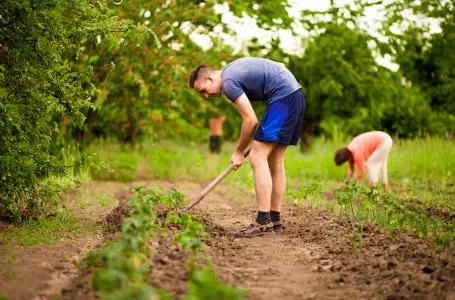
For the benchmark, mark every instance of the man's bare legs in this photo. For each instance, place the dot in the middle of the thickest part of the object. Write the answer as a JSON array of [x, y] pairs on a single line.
[[276, 166], [262, 177]]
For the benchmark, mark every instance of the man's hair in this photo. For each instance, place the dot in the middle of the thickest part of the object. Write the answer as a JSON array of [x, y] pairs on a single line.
[[342, 155], [198, 73]]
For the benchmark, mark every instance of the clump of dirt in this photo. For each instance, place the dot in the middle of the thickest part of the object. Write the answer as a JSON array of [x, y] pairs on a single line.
[[214, 230], [437, 212], [5, 225], [80, 287], [115, 219], [168, 267]]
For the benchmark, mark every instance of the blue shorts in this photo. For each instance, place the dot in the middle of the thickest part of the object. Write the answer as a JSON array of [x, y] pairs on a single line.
[[283, 120]]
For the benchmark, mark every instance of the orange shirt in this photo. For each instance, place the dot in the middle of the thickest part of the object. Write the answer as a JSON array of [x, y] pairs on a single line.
[[216, 126], [362, 146]]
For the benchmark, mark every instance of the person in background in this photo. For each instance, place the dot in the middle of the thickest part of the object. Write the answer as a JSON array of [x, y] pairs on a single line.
[[216, 132], [370, 149]]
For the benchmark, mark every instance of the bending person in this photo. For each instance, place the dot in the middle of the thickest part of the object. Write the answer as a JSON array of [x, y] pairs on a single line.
[[370, 149], [257, 79]]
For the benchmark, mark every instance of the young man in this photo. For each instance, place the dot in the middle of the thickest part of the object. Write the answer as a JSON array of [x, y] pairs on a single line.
[[256, 79], [216, 131], [370, 148]]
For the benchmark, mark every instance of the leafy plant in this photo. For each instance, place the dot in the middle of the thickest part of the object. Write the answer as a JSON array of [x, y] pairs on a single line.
[[345, 197], [191, 234], [309, 192], [204, 285], [41, 89], [121, 268]]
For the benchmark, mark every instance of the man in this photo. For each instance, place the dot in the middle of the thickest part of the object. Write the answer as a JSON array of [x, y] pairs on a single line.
[[256, 79], [370, 148], [216, 131]]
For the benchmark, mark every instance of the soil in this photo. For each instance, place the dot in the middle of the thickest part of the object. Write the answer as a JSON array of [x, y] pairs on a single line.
[[40, 271], [314, 258]]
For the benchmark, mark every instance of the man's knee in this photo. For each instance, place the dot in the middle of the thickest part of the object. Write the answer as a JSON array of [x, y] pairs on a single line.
[[256, 159]]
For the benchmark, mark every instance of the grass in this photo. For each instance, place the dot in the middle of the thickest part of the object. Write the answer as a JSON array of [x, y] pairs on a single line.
[[428, 158], [121, 162], [102, 200], [45, 230], [420, 171]]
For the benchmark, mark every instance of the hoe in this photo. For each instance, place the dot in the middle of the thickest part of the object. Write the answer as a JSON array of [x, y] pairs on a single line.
[[214, 183]]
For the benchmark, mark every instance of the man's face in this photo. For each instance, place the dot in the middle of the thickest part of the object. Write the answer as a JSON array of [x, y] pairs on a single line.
[[208, 87]]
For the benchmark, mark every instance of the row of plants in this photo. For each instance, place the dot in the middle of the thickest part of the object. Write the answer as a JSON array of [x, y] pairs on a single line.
[[367, 204], [121, 268]]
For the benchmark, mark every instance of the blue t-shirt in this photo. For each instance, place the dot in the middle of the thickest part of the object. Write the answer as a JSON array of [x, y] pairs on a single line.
[[260, 79]]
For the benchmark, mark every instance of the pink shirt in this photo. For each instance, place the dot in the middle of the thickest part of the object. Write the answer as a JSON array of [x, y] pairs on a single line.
[[362, 146]]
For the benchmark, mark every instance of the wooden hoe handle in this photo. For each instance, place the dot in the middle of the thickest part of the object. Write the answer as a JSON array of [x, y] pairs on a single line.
[[214, 183]]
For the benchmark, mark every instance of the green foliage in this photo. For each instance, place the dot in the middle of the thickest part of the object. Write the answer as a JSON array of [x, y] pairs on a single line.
[[136, 291], [192, 233], [387, 210], [147, 93], [268, 14], [425, 59], [311, 193], [344, 84], [41, 89], [429, 158], [307, 190], [120, 165], [120, 269], [47, 230], [203, 285]]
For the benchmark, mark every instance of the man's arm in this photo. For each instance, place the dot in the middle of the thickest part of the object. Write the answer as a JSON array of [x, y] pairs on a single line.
[[249, 122]]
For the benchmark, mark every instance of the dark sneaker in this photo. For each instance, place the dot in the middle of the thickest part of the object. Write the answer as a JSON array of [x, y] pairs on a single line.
[[255, 229], [277, 226]]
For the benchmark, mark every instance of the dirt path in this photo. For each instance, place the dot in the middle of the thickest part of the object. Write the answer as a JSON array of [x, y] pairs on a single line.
[[40, 271], [313, 259]]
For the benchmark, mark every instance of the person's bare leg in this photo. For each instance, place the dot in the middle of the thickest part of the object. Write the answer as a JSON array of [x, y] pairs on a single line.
[[276, 165], [262, 177]]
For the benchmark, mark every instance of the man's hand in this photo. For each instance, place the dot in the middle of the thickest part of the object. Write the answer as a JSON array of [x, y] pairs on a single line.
[[237, 159]]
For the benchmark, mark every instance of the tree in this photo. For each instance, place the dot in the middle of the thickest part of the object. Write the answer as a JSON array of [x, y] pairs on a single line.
[[38, 42], [425, 59], [147, 93]]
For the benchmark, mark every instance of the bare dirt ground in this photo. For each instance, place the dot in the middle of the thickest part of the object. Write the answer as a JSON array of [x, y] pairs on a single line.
[[40, 271], [313, 259]]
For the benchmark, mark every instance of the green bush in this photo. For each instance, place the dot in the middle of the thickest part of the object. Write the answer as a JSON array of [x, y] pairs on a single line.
[[120, 166], [41, 90], [204, 285]]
